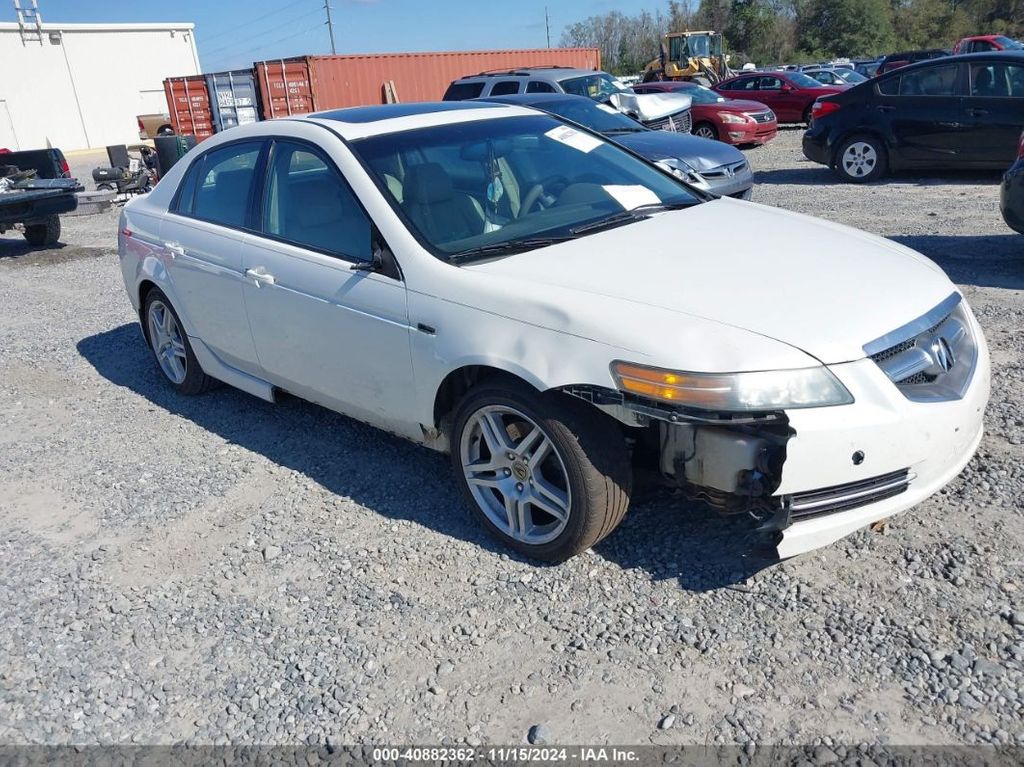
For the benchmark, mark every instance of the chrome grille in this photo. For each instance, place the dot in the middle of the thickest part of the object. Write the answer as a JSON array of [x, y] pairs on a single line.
[[761, 117], [852, 495], [725, 171], [931, 358], [680, 121]]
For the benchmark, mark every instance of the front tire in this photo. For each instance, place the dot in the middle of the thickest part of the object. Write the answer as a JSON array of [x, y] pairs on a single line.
[[44, 234], [705, 130], [861, 159], [547, 475], [171, 348]]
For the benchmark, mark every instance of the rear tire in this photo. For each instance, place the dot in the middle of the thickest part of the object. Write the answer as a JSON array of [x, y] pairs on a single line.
[[44, 234], [705, 130], [860, 159], [171, 348], [547, 475]]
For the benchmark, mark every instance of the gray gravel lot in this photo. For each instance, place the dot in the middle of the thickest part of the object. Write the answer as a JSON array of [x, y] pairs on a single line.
[[219, 569]]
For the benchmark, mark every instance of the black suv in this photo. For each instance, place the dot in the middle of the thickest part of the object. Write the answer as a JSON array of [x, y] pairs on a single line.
[[956, 112]]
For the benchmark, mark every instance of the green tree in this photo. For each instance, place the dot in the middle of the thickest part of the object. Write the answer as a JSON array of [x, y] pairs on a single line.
[[845, 27], [928, 23]]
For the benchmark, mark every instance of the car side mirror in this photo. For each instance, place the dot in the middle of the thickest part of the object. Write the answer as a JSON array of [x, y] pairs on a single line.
[[382, 260], [375, 264]]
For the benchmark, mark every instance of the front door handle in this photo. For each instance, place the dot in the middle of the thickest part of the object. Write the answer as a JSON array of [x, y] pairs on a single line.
[[949, 125], [175, 249], [885, 108], [975, 112], [260, 275]]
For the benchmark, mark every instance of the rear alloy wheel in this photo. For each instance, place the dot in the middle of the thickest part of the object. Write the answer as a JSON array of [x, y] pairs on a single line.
[[860, 159], [705, 130], [547, 475], [171, 347]]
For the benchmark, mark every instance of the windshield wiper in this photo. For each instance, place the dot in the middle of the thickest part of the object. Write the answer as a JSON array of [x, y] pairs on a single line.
[[616, 131], [638, 213], [506, 248]]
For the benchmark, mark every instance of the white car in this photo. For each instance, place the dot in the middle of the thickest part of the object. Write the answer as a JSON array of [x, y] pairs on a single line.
[[551, 309]]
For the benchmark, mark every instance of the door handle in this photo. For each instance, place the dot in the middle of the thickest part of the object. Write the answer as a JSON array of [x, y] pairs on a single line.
[[174, 248], [949, 125], [885, 108], [260, 275], [975, 112]]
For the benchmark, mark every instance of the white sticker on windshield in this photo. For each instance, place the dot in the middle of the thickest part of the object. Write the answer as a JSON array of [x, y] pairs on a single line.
[[608, 109], [631, 196], [584, 142]]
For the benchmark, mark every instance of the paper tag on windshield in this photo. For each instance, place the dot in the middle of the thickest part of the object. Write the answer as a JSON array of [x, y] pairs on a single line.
[[608, 109], [584, 142], [631, 196]]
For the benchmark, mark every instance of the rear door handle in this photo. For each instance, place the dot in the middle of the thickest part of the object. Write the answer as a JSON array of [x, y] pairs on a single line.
[[885, 108], [949, 125], [974, 112], [260, 275], [175, 249]]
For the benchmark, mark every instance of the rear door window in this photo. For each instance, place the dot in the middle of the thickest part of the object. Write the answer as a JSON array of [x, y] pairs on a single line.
[[224, 184], [928, 81], [308, 203], [463, 91], [505, 87]]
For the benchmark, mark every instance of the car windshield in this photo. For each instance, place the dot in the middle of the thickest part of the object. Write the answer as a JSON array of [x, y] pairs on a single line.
[[498, 185], [597, 117], [599, 85], [701, 95], [1008, 44], [801, 80], [851, 76]]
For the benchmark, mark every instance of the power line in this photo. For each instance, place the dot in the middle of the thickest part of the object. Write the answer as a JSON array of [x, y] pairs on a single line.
[[258, 35], [285, 38], [253, 21]]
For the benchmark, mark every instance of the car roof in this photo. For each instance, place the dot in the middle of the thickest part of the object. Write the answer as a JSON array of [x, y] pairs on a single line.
[[359, 122], [1017, 56], [534, 98], [553, 73]]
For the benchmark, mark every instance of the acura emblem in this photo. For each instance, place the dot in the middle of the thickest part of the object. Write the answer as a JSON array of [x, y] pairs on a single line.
[[942, 356]]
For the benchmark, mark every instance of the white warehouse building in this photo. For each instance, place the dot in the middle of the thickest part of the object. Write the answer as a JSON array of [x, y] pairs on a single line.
[[79, 86]]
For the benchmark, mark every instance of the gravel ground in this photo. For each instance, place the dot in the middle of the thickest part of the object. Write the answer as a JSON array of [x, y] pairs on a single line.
[[218, 569]]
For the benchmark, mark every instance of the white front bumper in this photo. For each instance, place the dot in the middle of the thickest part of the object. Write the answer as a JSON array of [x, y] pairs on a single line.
[[933, 440]]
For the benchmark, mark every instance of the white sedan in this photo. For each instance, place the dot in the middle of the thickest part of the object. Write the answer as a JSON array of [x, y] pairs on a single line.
[[554, 311]]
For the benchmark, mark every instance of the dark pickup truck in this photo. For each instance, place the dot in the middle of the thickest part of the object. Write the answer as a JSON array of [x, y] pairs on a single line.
[[35, 189]]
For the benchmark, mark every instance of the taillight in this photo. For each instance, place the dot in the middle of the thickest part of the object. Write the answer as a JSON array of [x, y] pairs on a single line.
[[822, 108], [65, 168]]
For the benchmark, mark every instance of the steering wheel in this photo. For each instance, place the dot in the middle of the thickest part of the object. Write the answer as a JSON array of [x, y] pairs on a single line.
[[533, 195]]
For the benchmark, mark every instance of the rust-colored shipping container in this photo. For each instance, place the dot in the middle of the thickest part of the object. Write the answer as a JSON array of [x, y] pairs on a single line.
[[311, 83], [188, 103]]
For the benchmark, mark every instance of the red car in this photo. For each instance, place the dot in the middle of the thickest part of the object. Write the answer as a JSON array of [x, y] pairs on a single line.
[[789, 94], [985, 43], [733, 121]]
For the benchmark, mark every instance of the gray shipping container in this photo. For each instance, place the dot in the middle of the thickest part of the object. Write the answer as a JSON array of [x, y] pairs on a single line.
[[234, 99]]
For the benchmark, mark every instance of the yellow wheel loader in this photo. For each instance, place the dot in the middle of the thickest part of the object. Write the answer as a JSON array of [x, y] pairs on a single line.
[[693, 56]]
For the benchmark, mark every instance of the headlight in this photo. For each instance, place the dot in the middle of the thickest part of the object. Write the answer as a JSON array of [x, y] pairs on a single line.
[[763, 390], [730, 117], [683, 170]]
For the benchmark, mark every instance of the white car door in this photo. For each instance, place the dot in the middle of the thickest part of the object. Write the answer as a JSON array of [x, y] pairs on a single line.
[[202, 236], [324, 331]]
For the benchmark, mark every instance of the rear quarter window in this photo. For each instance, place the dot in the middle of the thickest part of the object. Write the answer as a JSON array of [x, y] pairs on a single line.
[[463, 91], [505, 88]]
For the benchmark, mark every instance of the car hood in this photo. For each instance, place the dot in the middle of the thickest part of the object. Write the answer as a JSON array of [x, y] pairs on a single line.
[[738, 105], [819, 287], [701, 153], [650, 106]]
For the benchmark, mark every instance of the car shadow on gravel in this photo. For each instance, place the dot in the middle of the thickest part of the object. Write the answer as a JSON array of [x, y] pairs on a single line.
[[812, 174], [19, 252], [398, 480], [1001, 266]]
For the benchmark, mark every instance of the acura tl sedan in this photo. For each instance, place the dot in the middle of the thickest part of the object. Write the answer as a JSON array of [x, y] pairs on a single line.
[[489, 281]]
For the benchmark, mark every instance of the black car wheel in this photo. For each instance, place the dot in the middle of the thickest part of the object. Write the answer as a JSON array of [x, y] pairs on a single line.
[[860, 159], [705, 130]]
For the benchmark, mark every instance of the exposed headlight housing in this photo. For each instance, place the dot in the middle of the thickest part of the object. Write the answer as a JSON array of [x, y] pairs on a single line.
[[683, 171], [744, 392], [733, 118]]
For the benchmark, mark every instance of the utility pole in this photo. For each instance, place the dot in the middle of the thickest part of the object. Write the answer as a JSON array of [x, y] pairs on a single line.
[[330, 25], [547, 25]]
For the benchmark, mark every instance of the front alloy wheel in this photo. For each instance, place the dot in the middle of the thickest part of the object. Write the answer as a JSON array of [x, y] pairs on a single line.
[[546, 473], [515, 475]]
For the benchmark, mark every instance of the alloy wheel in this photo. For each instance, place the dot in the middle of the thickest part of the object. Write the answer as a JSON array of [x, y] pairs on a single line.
[[165, 338], [859, 159], [515, 474], [705, 132]]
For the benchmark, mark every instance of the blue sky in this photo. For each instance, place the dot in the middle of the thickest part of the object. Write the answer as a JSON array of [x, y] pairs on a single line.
[[233, 34]]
